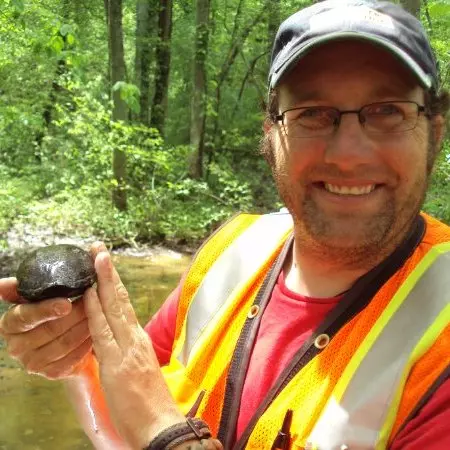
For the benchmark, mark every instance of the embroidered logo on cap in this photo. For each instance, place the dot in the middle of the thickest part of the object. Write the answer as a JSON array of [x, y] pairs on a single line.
[[349, 15]]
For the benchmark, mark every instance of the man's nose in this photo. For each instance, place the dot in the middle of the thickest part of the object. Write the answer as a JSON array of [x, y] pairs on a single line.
[[349, 146]]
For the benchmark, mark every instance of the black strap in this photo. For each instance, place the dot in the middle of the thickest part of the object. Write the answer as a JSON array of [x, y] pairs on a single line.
[[241, 356], [175, 435]]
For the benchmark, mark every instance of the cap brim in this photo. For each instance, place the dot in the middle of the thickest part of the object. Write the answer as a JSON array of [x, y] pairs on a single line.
[[287, 65]]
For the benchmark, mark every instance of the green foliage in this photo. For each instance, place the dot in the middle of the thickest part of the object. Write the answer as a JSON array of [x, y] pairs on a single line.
[[18, 6], [70, 189], [129, 93], [437, 24], [58, 139], [15, 195], [438, 198]]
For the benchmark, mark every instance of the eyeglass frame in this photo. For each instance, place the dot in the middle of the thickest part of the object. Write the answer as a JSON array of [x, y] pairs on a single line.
[[337, 122]]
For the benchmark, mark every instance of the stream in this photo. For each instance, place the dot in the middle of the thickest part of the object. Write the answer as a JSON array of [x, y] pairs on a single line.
[[34, 412]]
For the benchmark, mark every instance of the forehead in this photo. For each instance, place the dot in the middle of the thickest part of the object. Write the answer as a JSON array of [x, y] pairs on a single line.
[[349, 68]]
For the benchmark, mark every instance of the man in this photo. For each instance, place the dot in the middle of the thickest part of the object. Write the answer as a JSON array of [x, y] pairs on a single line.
[[324, 328]]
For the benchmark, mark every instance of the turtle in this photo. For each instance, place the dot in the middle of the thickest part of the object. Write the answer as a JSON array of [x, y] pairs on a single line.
[[55, 271]]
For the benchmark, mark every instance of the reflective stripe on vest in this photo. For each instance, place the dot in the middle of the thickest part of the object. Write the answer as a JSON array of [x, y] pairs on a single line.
[[243, 258], [362, 410]]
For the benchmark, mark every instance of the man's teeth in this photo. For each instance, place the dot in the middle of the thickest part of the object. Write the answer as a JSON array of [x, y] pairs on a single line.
[[349, 190]]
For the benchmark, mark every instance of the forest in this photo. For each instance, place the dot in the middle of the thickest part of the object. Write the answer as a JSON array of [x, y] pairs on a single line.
[[140, 120]]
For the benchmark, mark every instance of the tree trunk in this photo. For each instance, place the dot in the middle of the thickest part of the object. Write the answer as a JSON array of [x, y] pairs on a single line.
[[47, 114], [412, 6], [273, 22], [108, 72], [236, 43], [427, 15], [198, 102], [159, 105], [120, 108], [144, 20], [56, 88]]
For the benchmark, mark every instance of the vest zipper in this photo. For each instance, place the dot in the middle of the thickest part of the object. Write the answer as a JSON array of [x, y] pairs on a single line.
[[241, 356]]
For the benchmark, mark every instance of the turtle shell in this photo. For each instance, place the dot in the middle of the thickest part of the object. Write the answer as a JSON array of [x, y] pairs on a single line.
[[55, 271]]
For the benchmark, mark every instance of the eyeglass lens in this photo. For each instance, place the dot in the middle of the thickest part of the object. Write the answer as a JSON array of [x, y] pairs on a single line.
[[376, 118]]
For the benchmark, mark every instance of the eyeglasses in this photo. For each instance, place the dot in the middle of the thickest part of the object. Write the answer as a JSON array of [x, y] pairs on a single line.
[[376, 118]]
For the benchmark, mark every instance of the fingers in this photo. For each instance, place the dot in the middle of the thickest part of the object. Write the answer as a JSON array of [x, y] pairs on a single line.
[[36, 360], [22, 343], [112, 320], [26, 317], [67, 366], [8, 290], [121, 292], [111, 306], [50, 342], [127, 308], [99, 247], [96, 248], [103, 341]]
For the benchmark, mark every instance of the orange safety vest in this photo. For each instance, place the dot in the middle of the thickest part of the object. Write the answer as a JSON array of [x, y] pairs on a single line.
[[364, 373]]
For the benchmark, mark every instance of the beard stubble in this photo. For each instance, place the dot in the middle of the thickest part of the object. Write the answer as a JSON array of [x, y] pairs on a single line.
[[378, 235]]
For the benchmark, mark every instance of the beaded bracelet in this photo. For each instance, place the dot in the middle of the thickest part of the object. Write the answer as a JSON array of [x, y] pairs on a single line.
[[175, 435]]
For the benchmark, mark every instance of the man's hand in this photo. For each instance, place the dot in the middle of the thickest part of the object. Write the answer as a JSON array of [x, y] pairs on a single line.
[[50, 338], [138, 399]]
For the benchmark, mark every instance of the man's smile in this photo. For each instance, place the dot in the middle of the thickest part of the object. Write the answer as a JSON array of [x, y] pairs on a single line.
[[348, 194], [349, 190]]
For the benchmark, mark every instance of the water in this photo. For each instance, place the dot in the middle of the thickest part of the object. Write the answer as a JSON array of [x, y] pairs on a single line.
[[34, 412]]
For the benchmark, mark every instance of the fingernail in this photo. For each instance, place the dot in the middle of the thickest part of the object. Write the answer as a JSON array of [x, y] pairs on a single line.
[[101, 246], [110, 264], [106, 258], [61, 309]]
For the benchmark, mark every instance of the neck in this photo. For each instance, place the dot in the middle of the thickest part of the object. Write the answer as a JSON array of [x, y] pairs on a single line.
[[309, 276], [323, 272]]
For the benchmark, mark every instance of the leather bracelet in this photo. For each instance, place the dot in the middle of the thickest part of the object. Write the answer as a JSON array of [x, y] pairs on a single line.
[[169, 438]]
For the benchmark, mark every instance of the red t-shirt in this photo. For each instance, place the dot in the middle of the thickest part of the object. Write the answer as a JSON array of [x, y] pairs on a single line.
[[288, 321]]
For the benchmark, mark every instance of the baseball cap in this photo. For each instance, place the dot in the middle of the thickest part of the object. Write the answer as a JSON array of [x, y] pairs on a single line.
[[383, 23]]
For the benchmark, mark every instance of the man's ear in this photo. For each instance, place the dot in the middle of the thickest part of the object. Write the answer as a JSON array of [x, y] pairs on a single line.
[[267, 125], [438, 125]]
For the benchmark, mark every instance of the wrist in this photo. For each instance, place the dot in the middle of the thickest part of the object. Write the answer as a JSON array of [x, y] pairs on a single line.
[[87, 367], [189, 433], [162, 422]]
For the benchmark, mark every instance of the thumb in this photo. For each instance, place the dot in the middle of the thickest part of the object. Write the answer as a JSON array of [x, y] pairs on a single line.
[[8, 290], [96, 248]]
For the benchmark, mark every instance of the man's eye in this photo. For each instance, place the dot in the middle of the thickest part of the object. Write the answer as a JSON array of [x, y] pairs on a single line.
[[386, 109], [312, 113]]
